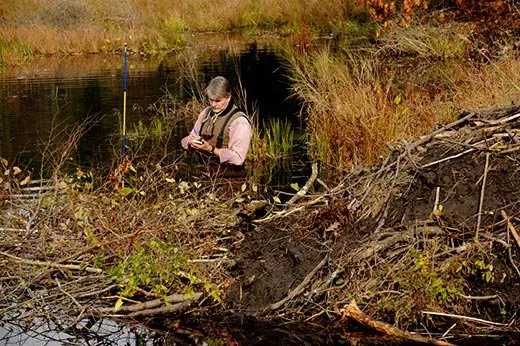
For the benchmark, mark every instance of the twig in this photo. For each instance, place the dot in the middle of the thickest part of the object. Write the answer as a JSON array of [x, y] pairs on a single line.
[[319, 181], [284, 213], [52, 264], [467, 318], [510, 227], [300, 287], [97, 292], [504, 120], [482, 190], [436, 203], [435, 133], [68, 295], [448, 158], [478, 297], [382, 218], [512, 231], [307, 186]]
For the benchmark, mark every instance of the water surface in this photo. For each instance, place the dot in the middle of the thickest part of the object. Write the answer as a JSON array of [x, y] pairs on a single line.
[[45, 98]]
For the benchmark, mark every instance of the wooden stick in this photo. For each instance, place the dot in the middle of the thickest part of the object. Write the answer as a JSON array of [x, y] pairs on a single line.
[[352, 311], [448, 158], [52, 264], [467, 318], [436, 203], [510, 227], [478, 297], [482, 189], [168, 309], [300, 287], [307, 186]]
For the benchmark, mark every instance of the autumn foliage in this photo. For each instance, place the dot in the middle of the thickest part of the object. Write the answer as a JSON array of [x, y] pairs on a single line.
[[403, 12]]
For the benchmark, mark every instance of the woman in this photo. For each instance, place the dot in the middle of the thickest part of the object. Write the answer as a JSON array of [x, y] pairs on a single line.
[[221, 129]]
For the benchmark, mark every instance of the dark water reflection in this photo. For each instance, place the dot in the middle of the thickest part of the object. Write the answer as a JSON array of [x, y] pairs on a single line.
[[49, 95], [202, 332]]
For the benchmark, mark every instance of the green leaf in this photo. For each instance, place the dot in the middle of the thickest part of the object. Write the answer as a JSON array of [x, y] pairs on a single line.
[[276, 199], [125, 191], [244, 187], [398, 99], [295, 186]]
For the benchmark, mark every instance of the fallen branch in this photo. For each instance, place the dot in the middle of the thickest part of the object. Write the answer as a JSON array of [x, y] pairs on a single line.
[[284, 213], [352, 311], [167, 309], [174, 298], [511, 230], [510, 227], [448, 158]]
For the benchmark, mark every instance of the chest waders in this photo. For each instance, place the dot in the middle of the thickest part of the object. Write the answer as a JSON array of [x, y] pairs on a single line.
[[210, 126]]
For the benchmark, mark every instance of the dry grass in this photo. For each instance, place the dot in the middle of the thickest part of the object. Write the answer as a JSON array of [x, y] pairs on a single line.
[[358, 103], [353, 109]]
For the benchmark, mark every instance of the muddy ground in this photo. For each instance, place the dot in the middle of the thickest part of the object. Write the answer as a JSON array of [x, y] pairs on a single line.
[[407, 190]]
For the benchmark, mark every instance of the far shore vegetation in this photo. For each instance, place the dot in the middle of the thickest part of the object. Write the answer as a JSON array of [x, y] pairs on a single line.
[[32, 27]]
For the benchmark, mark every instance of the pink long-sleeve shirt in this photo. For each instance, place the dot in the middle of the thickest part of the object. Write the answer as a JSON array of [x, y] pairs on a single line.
[[239, 139]]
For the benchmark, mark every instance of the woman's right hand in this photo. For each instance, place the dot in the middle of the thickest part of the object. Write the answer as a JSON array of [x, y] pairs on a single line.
[[192, 137]]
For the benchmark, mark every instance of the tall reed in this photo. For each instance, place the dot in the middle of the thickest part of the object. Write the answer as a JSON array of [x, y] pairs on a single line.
[[273, 142], [351, 112]]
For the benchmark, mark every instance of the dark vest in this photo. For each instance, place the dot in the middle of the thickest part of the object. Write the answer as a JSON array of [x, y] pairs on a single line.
[[215, 128]]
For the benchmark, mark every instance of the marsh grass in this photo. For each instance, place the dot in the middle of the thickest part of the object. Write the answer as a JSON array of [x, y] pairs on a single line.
[[273, 142], [360, 104], [351, 111]]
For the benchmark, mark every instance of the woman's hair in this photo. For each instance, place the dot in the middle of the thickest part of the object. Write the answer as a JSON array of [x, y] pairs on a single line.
[[218, 88]]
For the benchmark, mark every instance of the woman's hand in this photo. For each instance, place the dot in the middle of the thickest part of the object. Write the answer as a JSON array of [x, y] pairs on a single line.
[[204, 146], [193, 137]]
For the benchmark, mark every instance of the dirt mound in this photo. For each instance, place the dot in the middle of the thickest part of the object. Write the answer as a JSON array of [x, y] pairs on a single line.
[[272, 262], [430, 229]]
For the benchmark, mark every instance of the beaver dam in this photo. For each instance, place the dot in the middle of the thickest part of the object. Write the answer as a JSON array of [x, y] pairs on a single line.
[[424, 246]]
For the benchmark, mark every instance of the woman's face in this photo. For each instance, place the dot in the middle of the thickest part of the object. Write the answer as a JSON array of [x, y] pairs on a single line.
[[218, 105]]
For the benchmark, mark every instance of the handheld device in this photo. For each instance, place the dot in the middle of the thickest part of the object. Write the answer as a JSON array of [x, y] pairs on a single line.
[[196, 141]]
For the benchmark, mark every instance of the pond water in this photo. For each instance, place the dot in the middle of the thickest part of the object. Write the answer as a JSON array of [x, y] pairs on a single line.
[[44, 98], [202, 332]]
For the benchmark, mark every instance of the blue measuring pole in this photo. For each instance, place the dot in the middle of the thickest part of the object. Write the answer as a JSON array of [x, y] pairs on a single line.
[[123, 139]]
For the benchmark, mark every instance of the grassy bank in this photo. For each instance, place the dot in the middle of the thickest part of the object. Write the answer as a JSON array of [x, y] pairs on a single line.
[[34, 27]]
